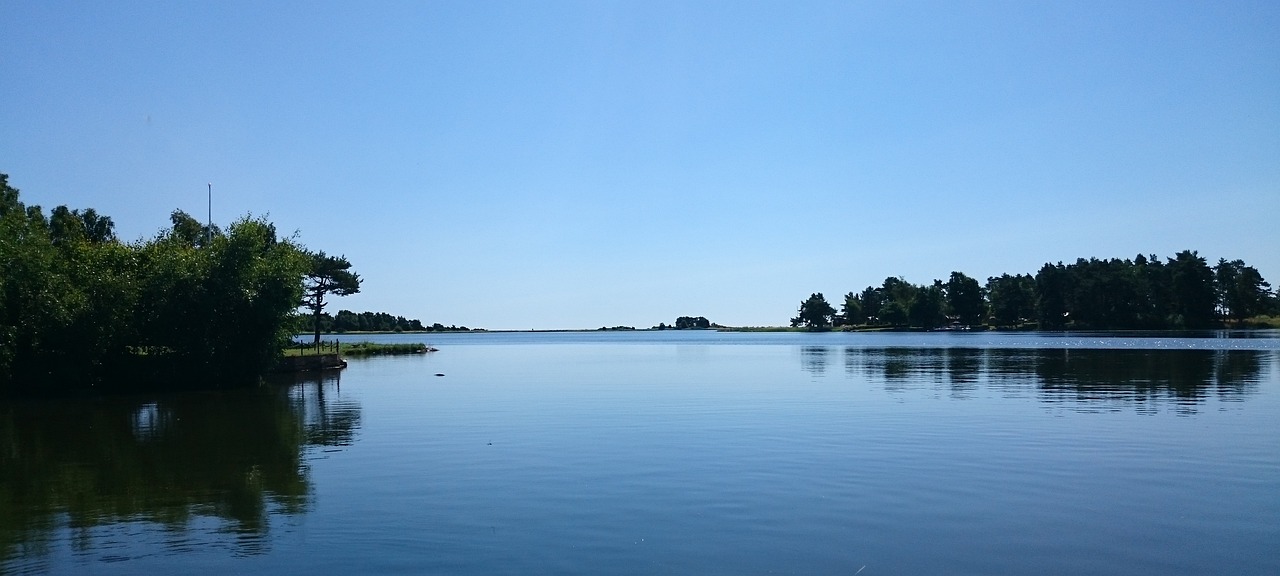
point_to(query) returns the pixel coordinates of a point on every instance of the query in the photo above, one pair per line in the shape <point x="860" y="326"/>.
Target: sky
<point x="560" y="165"/>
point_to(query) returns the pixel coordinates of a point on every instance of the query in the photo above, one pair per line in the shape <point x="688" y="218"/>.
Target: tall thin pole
<point x="208" y="230"/>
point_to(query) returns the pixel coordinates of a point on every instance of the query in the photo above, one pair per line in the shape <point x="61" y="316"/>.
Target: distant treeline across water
<point x="1142" y="293"/>
<point x="348" y="321"/>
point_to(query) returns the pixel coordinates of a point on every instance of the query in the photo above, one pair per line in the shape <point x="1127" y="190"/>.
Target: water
<point x="676" y="453"/>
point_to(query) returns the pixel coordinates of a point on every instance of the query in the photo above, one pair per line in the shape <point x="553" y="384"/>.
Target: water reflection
<point x="814" y="359"/>
<point x="1081" y="377"/>
<point x="198" y="467"/>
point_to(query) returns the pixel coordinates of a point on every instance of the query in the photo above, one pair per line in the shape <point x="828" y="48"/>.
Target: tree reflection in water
<point x="1084" y="378"/>
<point x="229" y="459"/>
<point x="814" y="359"/>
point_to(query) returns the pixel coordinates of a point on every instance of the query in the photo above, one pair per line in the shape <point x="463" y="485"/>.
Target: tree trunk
<point x="317" y="327"/>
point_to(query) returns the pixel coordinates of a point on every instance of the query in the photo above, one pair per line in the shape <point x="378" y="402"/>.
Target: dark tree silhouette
<point x="815" y="313"/>
<point x="327" y="275"/>
<point x="964" y="298"/>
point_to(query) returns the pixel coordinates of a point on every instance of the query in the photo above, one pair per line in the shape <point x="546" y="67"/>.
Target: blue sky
<point x="516" y="165"/>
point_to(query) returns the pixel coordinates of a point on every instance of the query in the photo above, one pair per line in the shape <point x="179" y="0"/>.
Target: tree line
<point x="348" y="321"/>
<point x="193" y="305"/>
<point x="1141" y="293"/>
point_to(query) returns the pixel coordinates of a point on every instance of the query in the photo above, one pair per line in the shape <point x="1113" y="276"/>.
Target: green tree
<point x="68" y="227"/>
<point x="851" y="311"/>
<point x="1194" y="296"/>
<point x="690" y="322"/>
<point x="1151" y="281"/>
<point x="8" y="196"/>
<point x="67" y="296"/>
<point x="187" y="230"/>
<point x="872" y="303"/>
<point x="36" y="297"/>
<point x="926" y="307"/>
<point x="223" y="309"/>
<point x="1104" y="294"/>
<point x="255" y="283"/>
<point x="1241" y="290"/>
<point x="964" y="299"/>
<point x="1052" y="289"/>
<point x="1012" y="299"/>
<point x="896" y="296"/>
<point x="327" y="275"/>
<point x="815" y="313"/>
<point x="78" y="308"/>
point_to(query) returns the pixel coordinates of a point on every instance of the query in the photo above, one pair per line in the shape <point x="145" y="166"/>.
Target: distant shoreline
<point x="787" y="329"/>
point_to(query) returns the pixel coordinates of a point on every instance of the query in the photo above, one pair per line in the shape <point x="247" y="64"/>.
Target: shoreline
<point x="1246" y="328"/>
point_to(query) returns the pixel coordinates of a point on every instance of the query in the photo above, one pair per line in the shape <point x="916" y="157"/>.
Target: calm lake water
<point x="676" y="453"/>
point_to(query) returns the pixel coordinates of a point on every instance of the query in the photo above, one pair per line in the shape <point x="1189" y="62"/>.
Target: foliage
<point x="851" y="311"/>
<point x="438" y="327"/>
<point x="1051" y="296"/>
<point x="686" y="323"/>
<point x="1142" y="293"/>
<point x="1242" y="293"/>
<point x="1193" y="291"/>
<point x="326" y="275"/>
<point x="348" y="321"/>
<point x="925" y="308"/>
<point x="964" y="299"/>
<point x="227" y="297"/>
<point x="689" y="322"/>
<point x="1011" y="300"/>
<point x="871" y="305"/>
<point x="374" y="349"/>
<point x="80" y="309"/>
<point x="815" y="313"/>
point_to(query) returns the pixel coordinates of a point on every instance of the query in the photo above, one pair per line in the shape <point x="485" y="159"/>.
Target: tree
<point x="255" y="283"/>
<point x="327" y="275"/>
<point x="851" y="310"/>
<point x="1012" y="299"/>
<point x="1104" y="294"/>
<point x="1152" y="283"/>
<point x="68" y="227"/>
<point x="1242" y="293"/>
<point x="815" y="313"/>
<point x="872" y="302"/>
<point x="223" y="309"/>
<point x="690" y="322"/>
<point x="1193" y="290"/>
<point x="190" y="231"/>
<point x="1052" y="289"/>
<point x="964" y="298"/>
<point x="896" y="295"/>
<point x="8" y="197"/>
<point x="79" y="308"/>
<point x="925" y="310"/>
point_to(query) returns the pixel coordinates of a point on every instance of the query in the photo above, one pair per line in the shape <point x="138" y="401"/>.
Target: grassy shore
<point x="1262" y="322"/>
<point x="359" y="349"/>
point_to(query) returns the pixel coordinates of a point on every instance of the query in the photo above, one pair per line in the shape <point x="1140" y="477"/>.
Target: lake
<point x="676" y="453"/>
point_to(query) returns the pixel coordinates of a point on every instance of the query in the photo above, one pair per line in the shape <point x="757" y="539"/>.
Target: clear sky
<point x="577" y="164"/>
